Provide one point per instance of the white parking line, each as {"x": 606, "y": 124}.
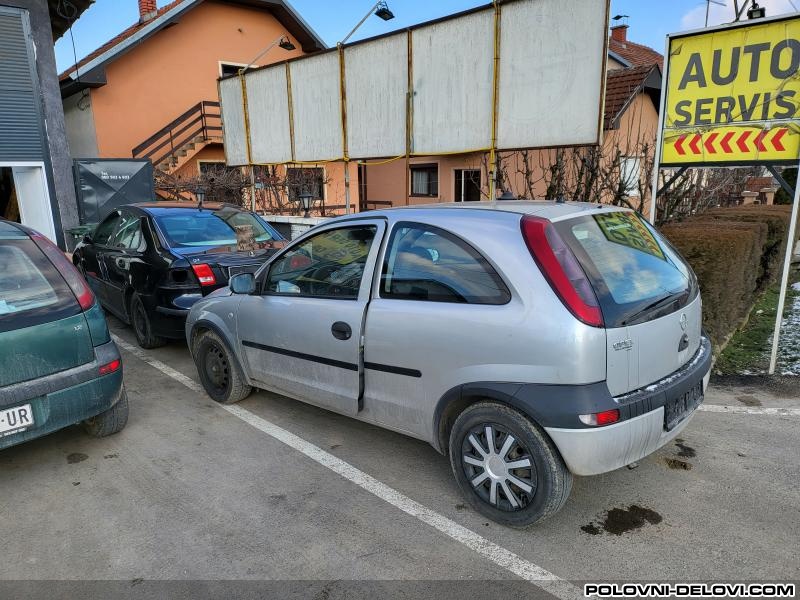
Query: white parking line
{"x": 750, "y": 410}
{"x": 475, "y": 542}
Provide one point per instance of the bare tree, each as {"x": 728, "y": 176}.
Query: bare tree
{"x": 220, "y": 184}
{"x": 276, "y": 188}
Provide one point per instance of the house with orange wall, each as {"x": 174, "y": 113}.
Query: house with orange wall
{"x": 151, "y": 91}
{"x": 633, "y": 85}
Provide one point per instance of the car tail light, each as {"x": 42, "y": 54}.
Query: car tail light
{"x": 204, "y": 274}
{"x": 607, "y": 417}
{"x": 110, "y": 367}
{"x": 561, "y": 269}
{"x": 74, "y": 279}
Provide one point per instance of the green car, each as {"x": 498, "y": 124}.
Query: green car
{"x": 58, "y": 363}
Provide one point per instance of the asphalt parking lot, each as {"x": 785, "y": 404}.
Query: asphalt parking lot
{"x": 275, "y": 489}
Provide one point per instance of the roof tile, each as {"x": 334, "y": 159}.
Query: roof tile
{"x": 636, "y": 54}
{"x": 621, "y": 84}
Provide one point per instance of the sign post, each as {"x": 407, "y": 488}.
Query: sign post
{"x": 732, "y": 99}
{"x": 787, "y": 265}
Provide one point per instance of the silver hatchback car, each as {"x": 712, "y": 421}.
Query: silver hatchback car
{"x": 528, "y": 341}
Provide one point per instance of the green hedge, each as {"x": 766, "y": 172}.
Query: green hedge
{"x": 736, "y": 253}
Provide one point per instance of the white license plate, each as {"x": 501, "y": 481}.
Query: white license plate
{"x": 15, "y": 419}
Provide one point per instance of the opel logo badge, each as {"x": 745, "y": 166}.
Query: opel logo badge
{"x": 684, "y": 321}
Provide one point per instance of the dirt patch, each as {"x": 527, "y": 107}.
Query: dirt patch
{"x": 461, "y": 507}
{"x": 591, "y": 529}
{"x": 677, "y": 464}
{"x": 685, "y": 451}
{"x": 621, "y": 520}
{"x": 107, "y": 456}
{"x": 749, "y": 400}
{"x": 76, "y": 457}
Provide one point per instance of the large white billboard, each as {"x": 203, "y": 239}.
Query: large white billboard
{"x": 535, "y": 69}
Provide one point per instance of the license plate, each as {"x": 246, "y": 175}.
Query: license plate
{"x": 14, "y": 420}
{"x": 677, "y": 409}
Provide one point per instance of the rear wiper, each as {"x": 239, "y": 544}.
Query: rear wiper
{"x": 663, "y": 301}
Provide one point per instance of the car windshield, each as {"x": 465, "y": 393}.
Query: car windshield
{"x": 227, "y": 226}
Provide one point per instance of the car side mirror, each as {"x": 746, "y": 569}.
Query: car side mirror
{"x": 243, "y": 283}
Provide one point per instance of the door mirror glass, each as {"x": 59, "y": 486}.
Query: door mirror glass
{"x": 243, "y": 283}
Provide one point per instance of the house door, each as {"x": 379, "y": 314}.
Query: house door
{"x": 467, "y": 185}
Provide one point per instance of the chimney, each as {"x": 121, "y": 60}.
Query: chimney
{"x": 618, "y": 32}
{"x": 147, "y": 10}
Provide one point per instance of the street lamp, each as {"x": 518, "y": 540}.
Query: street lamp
{"x": 200, "y": 193}
{"x": 305, "y": 198}
{"x": 381, "y": 10}
{"x": 283, "y": 41}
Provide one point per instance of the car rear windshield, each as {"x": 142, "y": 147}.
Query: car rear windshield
{"x": 31, "y": 289}
{"x": 185, "y": 227}
{"x": 636, "y": 274}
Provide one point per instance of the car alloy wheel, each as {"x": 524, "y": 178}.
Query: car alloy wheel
{"x": 217, "y": 368}
{"x": 499, "y": 467}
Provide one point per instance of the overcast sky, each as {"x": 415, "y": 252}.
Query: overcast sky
{"x": 649, "y": 20}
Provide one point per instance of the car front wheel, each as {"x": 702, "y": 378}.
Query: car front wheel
{"x": 506, "y": 466}
{"x": 219, "y": 372}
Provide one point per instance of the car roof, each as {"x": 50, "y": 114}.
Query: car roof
{"x": 549, "y": 209}
{"x": 157, "y": 207}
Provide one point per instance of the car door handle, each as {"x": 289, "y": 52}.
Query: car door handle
{"x": 341, "y": 330}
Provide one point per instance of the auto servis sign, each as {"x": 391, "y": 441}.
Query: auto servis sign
{"x": 733, "y": 95}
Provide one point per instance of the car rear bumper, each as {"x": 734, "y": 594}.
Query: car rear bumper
{"x": 591, "y": 451}
{"x": 168, "y": 317}
{"x": 65, "y": 398}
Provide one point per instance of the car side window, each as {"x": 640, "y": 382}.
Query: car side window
{"x": 327, "y": 265}
{"x": 102, "y": 234}
{"x": 129, "y": 233}
{"x": 423, "y": 262}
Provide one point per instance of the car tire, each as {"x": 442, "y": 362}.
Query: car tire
{"x": 111, "y": 421}
{"x": 538, "y": 488}
{"x": 218, "y": 369}
{"x": 142, "y": 326}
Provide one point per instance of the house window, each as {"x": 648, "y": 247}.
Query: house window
{"x": 227, "y": 69}
{"x": 630, "y": 174}
{"x": 425, "y": 180}
{"x": 299, "y": 180}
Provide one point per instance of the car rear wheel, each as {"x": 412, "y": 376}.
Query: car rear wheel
{"x": 111, "y": 421}
{"x": 142, "y": 326}
{"x": 506, "y": 466}
{"x": 219, "y": 372}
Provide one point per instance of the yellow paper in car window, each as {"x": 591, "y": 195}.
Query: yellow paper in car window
{"x": 626, "y": 229}
{"x": 340, "y": 248}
